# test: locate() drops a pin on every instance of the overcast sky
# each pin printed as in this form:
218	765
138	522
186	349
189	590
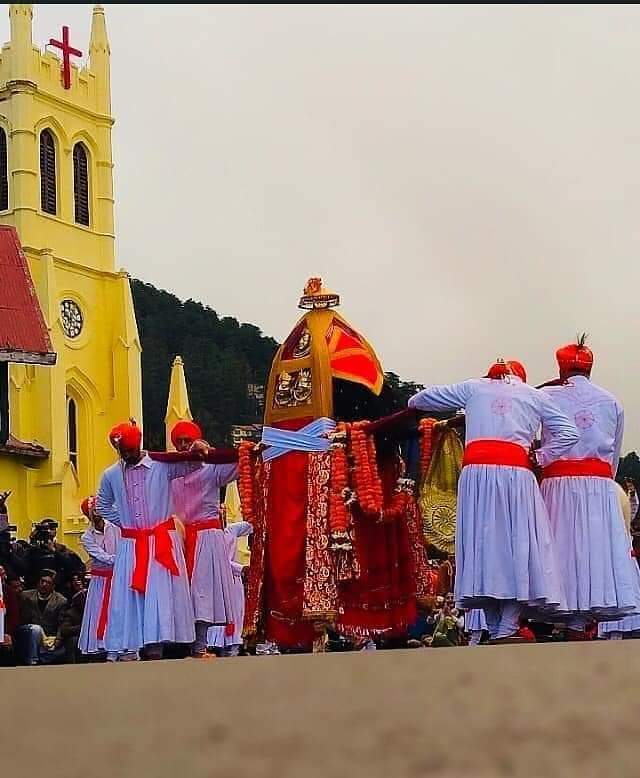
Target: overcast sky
466	177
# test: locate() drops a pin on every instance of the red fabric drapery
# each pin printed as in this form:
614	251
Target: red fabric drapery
496	452
565	468
382	598
286	546
163	553
191	539
216	456
106	596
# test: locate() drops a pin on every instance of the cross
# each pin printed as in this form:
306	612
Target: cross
67	51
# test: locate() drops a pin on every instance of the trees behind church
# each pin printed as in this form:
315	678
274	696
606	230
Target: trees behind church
223	359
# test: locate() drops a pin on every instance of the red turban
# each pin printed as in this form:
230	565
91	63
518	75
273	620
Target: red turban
186	429
575	356
498	370
517	368
501	369
116	434
126	436
88	506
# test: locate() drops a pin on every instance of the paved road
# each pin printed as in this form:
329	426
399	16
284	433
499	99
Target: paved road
545	710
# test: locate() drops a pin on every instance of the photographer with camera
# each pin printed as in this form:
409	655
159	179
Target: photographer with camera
45	553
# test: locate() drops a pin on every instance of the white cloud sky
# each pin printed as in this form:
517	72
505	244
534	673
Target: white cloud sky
466	177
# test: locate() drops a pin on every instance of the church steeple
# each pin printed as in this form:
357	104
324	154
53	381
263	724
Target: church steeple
20	21
100	58
178	408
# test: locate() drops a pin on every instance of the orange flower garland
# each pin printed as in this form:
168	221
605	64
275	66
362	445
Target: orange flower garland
398	507
245	479
426	429
376	481
338	512
367	481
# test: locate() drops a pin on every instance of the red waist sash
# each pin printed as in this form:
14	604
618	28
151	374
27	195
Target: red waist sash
496	452
568	467
163	551
107	574
191	538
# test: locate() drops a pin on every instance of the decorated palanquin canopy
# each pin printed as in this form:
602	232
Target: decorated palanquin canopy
322	346
441	452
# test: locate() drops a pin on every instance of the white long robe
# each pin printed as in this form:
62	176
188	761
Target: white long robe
164	612
475	621
196	497
504	548
101	548
628	624
217	636
599	575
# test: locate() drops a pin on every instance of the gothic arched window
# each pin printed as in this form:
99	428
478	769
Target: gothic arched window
81	184
4	174
72	431
48	193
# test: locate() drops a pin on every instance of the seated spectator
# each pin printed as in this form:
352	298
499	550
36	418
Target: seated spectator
420	632
72	622
41	614
77	583
448	630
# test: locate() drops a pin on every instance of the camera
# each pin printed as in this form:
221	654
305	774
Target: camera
44	532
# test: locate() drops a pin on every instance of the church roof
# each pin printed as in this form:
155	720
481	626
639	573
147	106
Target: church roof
23	333
21	448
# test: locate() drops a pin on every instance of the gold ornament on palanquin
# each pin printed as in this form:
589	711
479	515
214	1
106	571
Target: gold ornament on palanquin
439	490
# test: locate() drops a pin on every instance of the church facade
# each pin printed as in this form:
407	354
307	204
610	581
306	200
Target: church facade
56	189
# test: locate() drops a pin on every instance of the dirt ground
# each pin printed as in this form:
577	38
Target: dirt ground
540	710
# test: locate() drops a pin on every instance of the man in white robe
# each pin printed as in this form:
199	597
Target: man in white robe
150	586
100	541
196	502
593	547
504	549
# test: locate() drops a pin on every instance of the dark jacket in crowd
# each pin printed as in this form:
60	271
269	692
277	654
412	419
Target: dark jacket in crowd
71	625
50	619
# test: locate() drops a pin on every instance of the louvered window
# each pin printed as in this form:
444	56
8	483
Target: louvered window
48	198
81	184
4	176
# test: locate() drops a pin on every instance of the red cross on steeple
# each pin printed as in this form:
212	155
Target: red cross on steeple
67	51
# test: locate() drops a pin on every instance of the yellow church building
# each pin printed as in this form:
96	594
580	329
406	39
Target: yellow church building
56	189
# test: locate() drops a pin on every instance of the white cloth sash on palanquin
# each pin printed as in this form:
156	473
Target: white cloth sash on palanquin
311	438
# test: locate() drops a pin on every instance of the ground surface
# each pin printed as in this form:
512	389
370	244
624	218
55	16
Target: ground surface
543	710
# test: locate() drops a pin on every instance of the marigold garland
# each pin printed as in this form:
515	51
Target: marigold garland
338	512
376	481
398	507
366	478
246	480
426	430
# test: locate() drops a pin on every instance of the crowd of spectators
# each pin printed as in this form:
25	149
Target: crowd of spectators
44	589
